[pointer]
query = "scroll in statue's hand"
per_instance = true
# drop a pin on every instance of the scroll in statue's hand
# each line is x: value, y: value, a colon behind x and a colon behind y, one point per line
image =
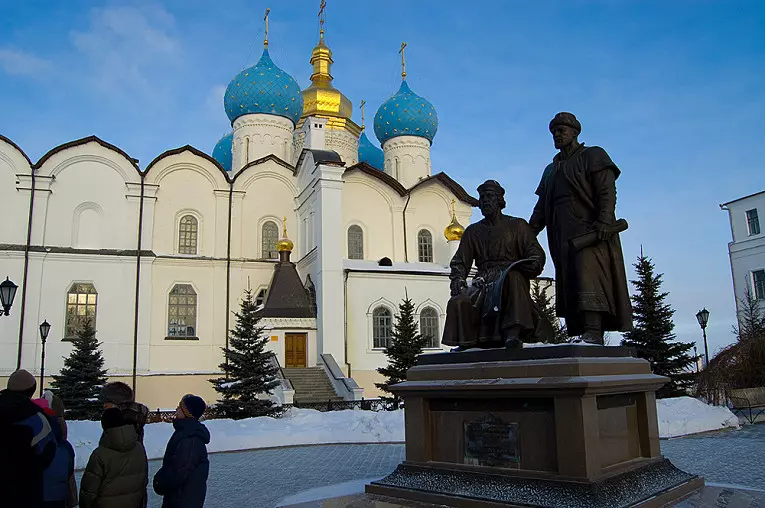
x: 604, y: 231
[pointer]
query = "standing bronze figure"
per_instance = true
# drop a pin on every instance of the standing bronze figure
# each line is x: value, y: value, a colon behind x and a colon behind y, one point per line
x: 577, y: 205
x: 496, y: 310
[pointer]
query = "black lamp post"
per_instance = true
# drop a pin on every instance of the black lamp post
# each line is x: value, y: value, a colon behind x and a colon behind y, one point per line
x: 44, y: 330
x: 703, y: 317
x: 7, y: 294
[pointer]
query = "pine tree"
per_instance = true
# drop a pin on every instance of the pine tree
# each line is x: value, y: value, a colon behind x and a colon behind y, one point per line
x: 546, y: 310
x: 248, y: 368
x: 751, y: 318
x: 82, y: 377
x: 653, y: 336
x: 402, y: 350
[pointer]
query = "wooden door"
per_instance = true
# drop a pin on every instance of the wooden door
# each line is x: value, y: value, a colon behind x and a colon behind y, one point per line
x: 294, y: 349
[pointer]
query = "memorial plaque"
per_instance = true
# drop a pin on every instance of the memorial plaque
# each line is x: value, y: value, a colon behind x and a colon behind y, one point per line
x: 490, y: 441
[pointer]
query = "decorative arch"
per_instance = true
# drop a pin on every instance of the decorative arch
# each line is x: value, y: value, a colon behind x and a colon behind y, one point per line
x: 377, y: 188
x: 83, y: 141
x: 77, y: 218
x: 212, y: 178
x: 244, y: 182
x: 176, y: 151
x: 381, y: 301
x: 430, y: 303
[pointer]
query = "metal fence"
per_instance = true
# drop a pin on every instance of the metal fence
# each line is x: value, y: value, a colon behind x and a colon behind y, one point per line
x: 167, y: 416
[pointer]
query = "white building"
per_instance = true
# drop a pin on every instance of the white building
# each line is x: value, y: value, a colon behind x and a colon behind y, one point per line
x: 158, y: 256
x: 747, y: 250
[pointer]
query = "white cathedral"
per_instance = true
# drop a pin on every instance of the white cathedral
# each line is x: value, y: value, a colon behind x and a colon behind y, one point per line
x: 296, y: 203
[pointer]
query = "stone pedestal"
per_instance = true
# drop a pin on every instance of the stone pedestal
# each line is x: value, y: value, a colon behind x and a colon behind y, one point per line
x: 552, y: 426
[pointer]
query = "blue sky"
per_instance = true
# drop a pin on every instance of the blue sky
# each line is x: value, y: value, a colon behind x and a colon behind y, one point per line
x: 674, y: 91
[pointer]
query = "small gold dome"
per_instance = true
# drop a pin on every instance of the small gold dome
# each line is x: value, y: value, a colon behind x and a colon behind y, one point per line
x: 454, y: 230
x: 284, y: 243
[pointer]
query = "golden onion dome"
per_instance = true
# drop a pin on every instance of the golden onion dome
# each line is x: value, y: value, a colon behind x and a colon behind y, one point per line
x: 454, y: 230
x: 322, y: 99
x: 284, y: 244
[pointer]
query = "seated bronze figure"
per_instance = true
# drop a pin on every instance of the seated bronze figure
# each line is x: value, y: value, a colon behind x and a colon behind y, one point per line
x: 496, y: 310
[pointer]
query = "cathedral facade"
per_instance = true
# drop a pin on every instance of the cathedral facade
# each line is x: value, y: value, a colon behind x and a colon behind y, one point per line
x: 296, y: 204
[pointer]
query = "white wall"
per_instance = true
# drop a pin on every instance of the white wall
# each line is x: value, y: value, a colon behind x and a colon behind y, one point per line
x: 747, y: 252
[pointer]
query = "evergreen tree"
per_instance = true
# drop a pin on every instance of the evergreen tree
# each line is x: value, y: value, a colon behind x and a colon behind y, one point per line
x: 248, y: 367
x: 402, y: 350
x: 653, y: 336
x: 82, y: 377
x: 751, y: 318
x: 546, y: 310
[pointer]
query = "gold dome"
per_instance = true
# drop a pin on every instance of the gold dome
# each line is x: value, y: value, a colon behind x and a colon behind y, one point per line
x: 323, y: 100
x: 284, y: 243
x: 454, y: 230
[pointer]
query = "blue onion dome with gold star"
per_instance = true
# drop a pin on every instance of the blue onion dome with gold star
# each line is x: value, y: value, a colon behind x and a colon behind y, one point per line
x: 263, y: 88
x: 223, y: 151
x: 406, y: 114
x: 369, y: 153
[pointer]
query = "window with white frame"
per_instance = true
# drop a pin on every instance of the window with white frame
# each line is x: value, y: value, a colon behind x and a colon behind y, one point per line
x: 270, y: 233
x: 425, y: 246
x: 429, y: 326
x: 758, y: 277
x: 355, y: 242
x: 188, y: 230
x: 753, y: 222
x: 81, y: 304
x: 261, y: 296
x: 382, y: 327
x: 182, y: 312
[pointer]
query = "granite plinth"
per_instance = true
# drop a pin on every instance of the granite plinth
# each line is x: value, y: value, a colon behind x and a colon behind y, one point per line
x: 650, y: 485
x: 576, y: 427
x: 528, y: 353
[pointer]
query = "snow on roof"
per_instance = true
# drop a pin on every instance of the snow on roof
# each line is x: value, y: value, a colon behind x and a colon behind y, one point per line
x: 363, y: 265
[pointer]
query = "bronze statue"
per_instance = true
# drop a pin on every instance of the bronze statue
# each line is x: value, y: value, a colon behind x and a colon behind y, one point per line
x: 577, y: 205
x: 496, y: 310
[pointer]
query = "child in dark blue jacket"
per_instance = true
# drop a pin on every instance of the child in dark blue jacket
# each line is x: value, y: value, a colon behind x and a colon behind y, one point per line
x: 182, y: 479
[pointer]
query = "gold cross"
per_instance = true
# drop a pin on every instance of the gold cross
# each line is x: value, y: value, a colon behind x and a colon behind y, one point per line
x: 265, y: 18
x: 363, y: 102
x: 322, y: 6
x: 284, y: 227
x: 403, y: 60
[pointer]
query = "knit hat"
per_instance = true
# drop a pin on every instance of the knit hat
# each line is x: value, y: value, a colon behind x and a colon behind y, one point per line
x: 565, y: 118
x: 112, y: 418
x: 192, y: 406
x: 21, y: 381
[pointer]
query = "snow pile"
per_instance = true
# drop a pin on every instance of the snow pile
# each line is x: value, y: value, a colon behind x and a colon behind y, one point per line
x: 296, y: 427
x: 685, y: 415
x: 677, y: 417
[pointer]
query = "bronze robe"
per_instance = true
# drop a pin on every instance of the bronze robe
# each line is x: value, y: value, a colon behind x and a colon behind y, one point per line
x: 479, y: 314
x: 574, y: 193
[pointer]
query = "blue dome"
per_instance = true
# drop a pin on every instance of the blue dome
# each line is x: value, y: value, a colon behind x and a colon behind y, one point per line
x: 222, y: 151
x: 263, y: 88
x: 370, y: 154
x: 405, y: 114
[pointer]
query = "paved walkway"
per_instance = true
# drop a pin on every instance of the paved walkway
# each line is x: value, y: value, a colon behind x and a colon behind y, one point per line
x: 261, y: 478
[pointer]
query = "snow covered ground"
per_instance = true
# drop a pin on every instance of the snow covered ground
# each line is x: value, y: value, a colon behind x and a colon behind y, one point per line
x: 677, y: 417
x: 296, y: 427
x: 681, y: 416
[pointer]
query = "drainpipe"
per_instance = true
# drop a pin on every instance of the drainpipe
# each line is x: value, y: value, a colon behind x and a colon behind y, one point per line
x: 228, y: 262
x: 345, y: 319
x: 26, y: 269
x: 406, y: 253
x: 138, y: 282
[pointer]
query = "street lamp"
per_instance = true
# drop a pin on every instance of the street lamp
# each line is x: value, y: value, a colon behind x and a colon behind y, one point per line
x: 702, y: 317
x: 7, y: 294
x: 44, y: 330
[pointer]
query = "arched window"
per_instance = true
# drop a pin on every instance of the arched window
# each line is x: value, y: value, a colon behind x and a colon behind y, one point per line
x: 355, y: 242
x: 429, y: 326
x: 382, y: 326
x: 187, y: 235
x: 270, y: 237
x: 81, y: 303
x: 425, y: 246
x: 182, y: 312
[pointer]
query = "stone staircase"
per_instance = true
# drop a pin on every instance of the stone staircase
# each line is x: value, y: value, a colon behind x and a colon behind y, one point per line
x: 311, y: 385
